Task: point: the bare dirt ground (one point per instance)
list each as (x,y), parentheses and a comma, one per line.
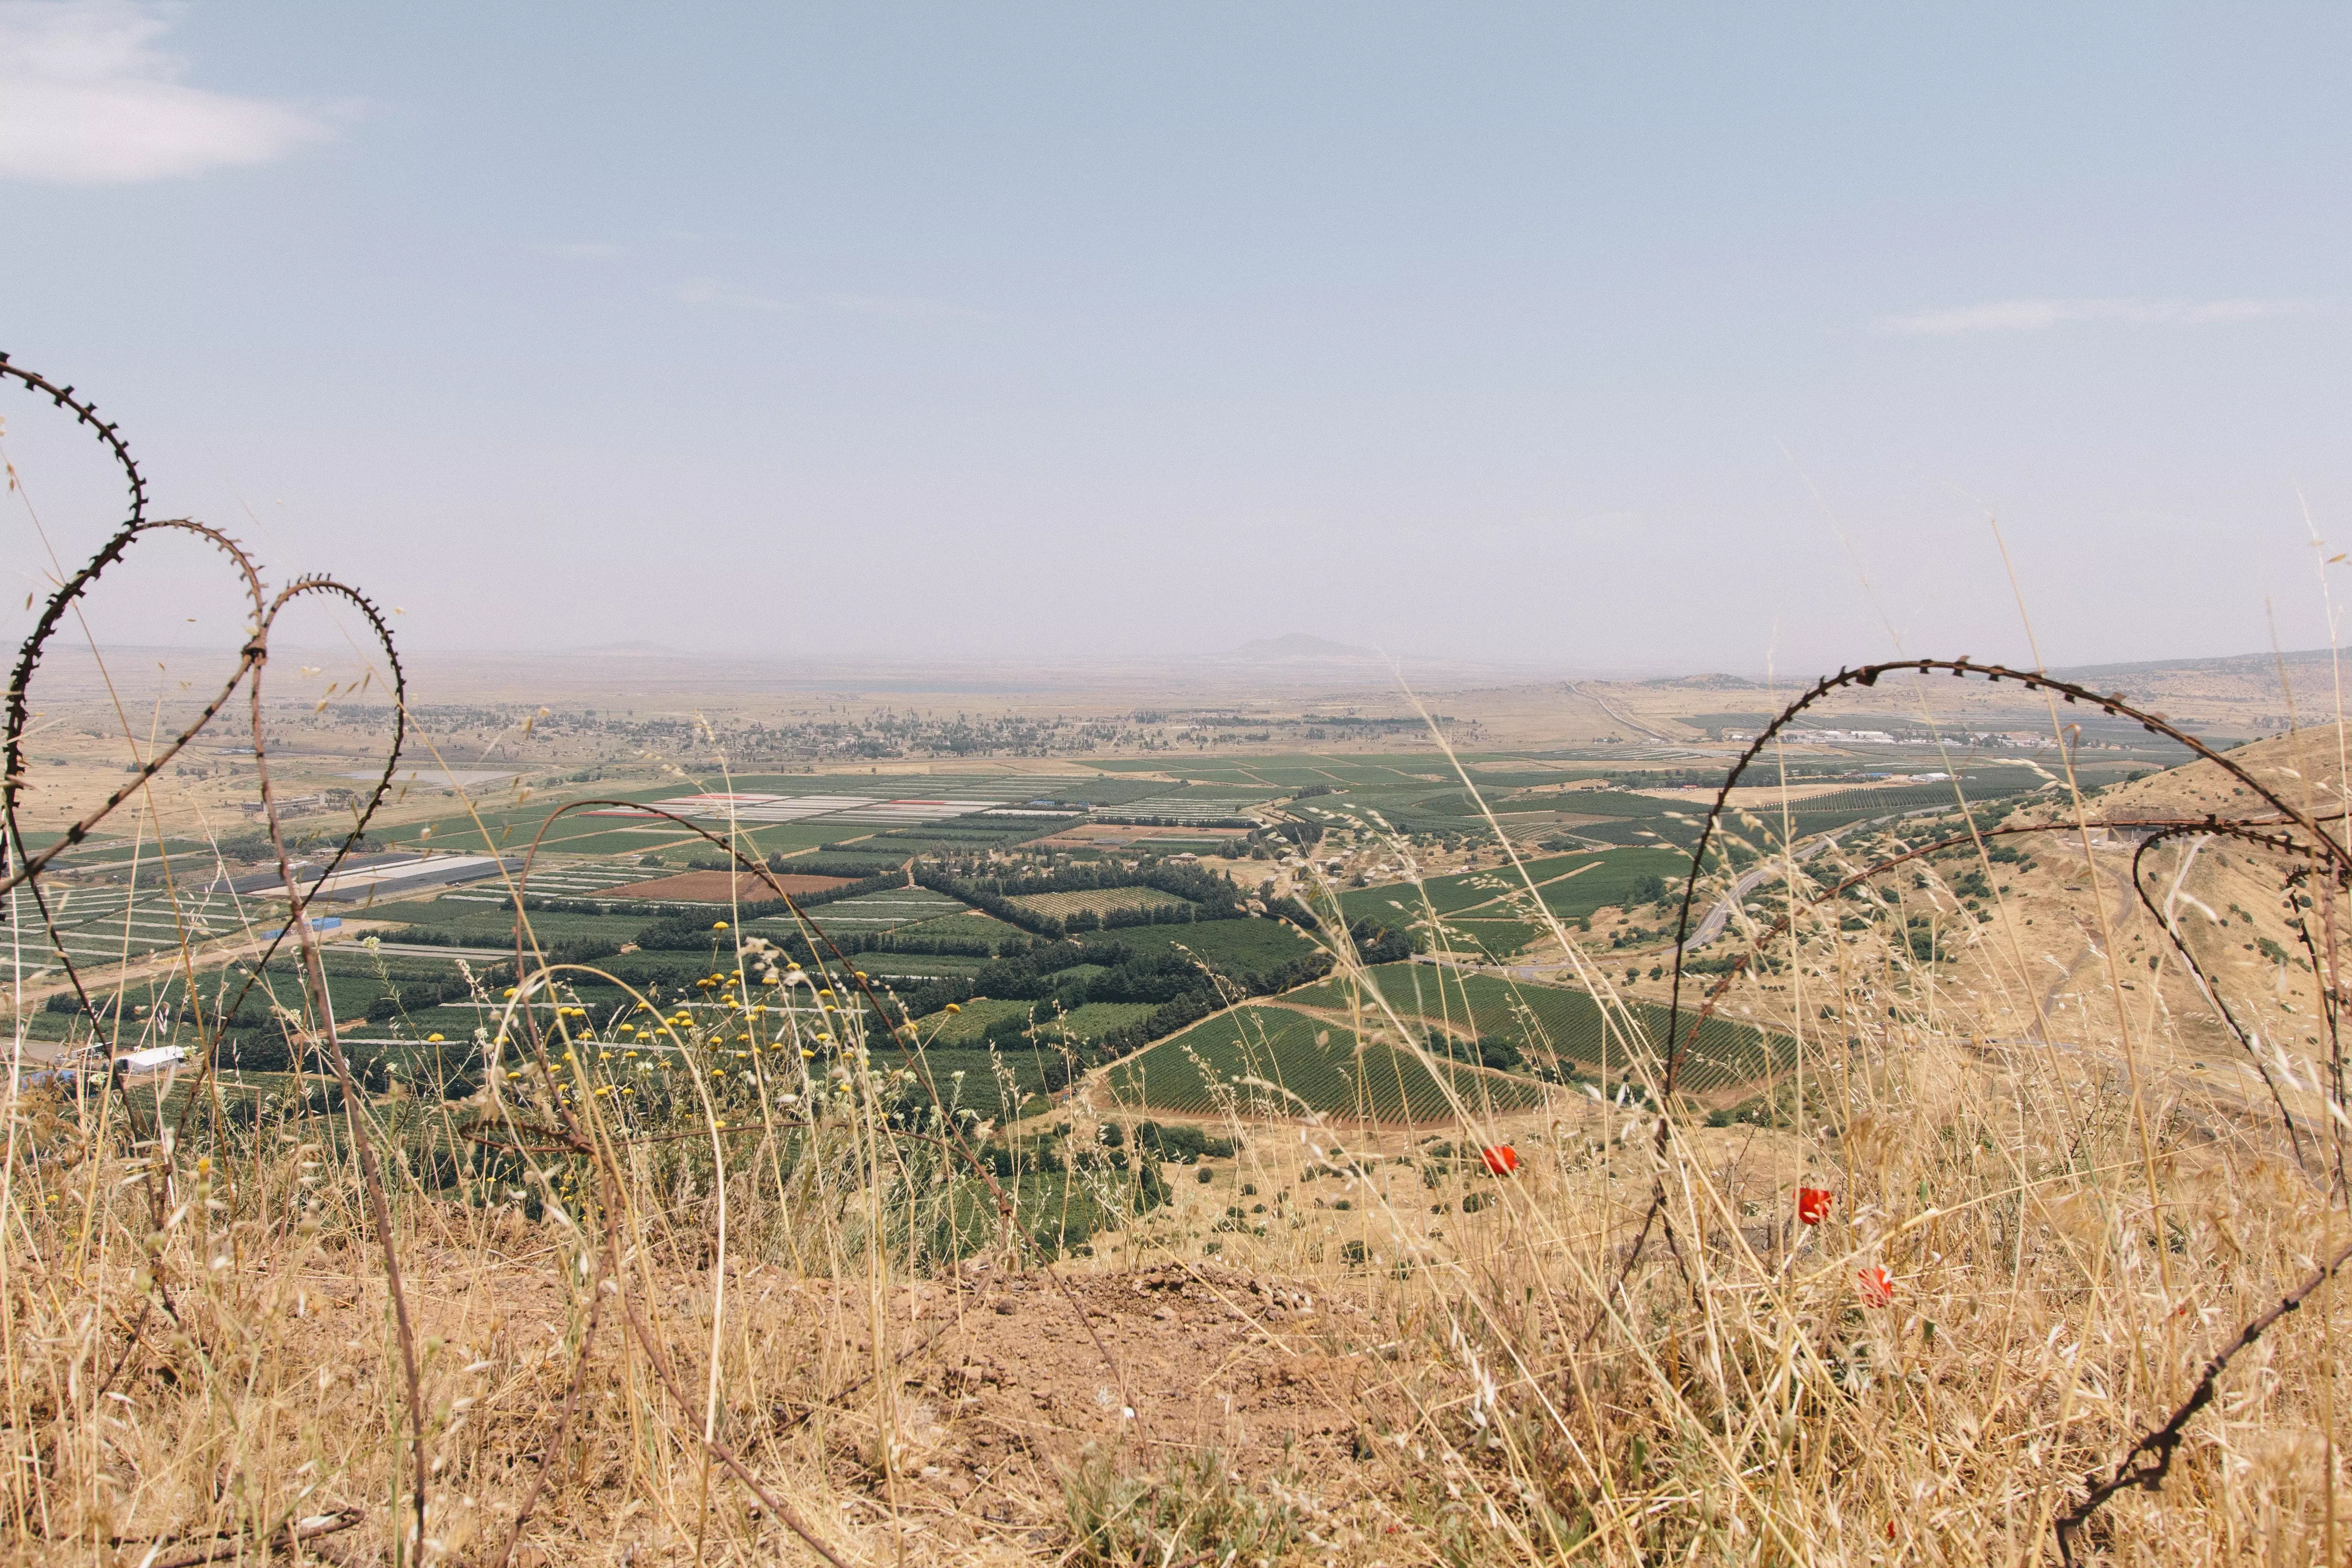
(1022,1375)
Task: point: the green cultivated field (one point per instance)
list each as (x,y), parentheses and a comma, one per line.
(1232,947)
(189,857)
(920,966)
(1283,775)
(890,909)
(507,820)
(1091,1021)
(970,923)
(1494,909)
(857,862)
(1268,1060)
(1496,938)
(492,924)
(1553,1021)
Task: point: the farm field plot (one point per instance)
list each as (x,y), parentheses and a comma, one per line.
(852,863)
(920,966)
(1617,880)
(1457,892)
(1410,807)
(724,887)
(107,925)
(500,819)
(1763,823)
(1269,1060)
(1517,774)
(1296,770)
(189,857)
(1075,791)
(966,1027)
(1093,1020)
(1099,901)
(1409,812)
(1089,1022)
(1570,886)
(968,925)
(838,806)
(931,841)
(582,834)
(1197,808)
(1617,803)
(567,879)
(373,996)
(1101,835)
(786,838)
(1231,947)
(1655,832)
(493,924)
(1497,939)
(1284,776)
(1551,1020)
(879,911)
(1815,818)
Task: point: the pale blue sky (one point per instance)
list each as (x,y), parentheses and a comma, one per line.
(1578,335)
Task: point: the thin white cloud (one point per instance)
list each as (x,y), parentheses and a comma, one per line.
(2041,315)
(705,292)
(87,99)
(586,249)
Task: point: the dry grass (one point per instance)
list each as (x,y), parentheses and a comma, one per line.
(200,1347)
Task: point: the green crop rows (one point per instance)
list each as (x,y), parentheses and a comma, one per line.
(1230,947)
(1088,1021)
(1546,1021)
(1265,1060)
(1494,909)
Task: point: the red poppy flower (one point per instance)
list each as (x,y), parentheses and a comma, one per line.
(1813,1204)
(1500,1160)
(1877,1286)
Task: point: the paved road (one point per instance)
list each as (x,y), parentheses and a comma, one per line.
(1616,713)
(1711,926)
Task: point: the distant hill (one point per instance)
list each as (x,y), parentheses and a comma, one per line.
(1293,647)
(2259,666)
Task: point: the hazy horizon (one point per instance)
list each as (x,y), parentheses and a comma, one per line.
(1334,669)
